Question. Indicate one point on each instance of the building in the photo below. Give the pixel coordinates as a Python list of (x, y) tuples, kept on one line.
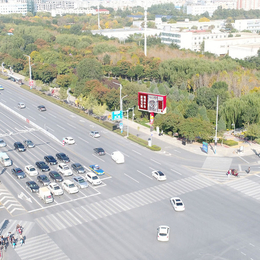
[(248, 4), (190, 39), (246, 45), (17, 6), (252, 25), (63, 11)]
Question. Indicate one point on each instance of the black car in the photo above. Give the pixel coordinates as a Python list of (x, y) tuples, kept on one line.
[(63, 157), (29, 144), (50, 159), (32, 186), (18, 172), (43, 179), (55, 176), (42, 166), (42, 108), (99, 151), (78, 168), (19, 147)]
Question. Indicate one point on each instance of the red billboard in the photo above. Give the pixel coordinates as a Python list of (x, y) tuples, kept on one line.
[(152, 102)]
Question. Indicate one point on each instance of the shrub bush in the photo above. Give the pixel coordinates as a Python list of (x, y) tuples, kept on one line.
[(230, 142)]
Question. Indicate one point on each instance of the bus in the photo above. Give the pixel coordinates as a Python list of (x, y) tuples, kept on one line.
[(15, 79)]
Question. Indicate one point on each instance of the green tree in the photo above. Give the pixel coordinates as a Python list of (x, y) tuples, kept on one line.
[(88, 69), (99, 109), (106, 59), (253, 131), (192, 110)]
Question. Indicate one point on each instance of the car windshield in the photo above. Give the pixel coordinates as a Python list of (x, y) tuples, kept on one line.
[(81, 181), (34, 185), (44, 178), (160, 173), (66, 168), (1, 141), (179, 204), (29, 142), (97, 167), (19, 170), (78, 166), (71, 185), (32, 169), (56, 175), (56, 187), (162, 234), (94, 177)]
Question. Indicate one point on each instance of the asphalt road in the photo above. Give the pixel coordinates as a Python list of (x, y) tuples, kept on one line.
[(118, 220)]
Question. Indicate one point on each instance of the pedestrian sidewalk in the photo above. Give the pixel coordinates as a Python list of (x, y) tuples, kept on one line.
[(166, 142)]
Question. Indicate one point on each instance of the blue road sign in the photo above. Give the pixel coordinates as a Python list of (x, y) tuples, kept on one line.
[(117, 115)]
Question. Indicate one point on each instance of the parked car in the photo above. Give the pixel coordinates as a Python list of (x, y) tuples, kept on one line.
[(99, 151), (70, 187), (41, 108), (62, 157), (94, 134), (55, 189), (80, 182), (42, 166), (78, 168), (49, 159), (32, 186), (55, 176), (93, 179), (19, 147), (18, 172), (29, 144), (43, 179), (31, 170), (96, 169)]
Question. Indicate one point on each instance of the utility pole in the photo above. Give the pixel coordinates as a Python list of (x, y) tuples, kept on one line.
[(216, 135), (145, 26), (98, 18)]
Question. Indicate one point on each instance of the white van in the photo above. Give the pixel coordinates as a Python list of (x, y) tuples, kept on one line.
[(45, 195), (118, 157), (5, 159)]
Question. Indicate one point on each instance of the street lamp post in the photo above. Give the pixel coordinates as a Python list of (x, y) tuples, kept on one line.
[(127, 134), (234, 127), (30, 68)]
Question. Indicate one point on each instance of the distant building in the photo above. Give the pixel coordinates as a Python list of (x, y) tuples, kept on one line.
[(252, 25), (248, 4), (63, 11), (17, 6), (102, 11)]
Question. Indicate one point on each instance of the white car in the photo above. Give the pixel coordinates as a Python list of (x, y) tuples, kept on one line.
[(64, 169), (70, 187), (21, 105), (55, 189), (160, 176), (69, 140), (31, 170), (163, 233), (93, 179), (94, 134), (118, 157), (2, 143), (177, 204)]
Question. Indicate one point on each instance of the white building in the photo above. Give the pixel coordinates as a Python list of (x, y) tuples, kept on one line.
[(15, 6), (189, 40), (61, 11), (241, 47), (252, 25)]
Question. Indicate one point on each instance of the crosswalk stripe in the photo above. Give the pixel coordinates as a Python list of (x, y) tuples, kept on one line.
[(89, 213), (73, 218)]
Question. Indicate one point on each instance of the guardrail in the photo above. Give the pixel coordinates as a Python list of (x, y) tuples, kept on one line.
[(31, 123)]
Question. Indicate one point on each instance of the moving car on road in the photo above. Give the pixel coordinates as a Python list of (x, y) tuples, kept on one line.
[(55, 176), (18, 172), (78, 168), (93, 178), (99, 151), (80, 182), (42, 166), (31, 170), (41, 108), (96, 169), (43, 179), (160, 176), (55, 189), (1, 87), (163, 233), (19, 147), (2, 143), (70, 187), (69, 140), (64, 169), (177, 204), (21, 105), (29, 144), (50, 160), (62, 157), (32, 186), (118, 157), (94, 134)]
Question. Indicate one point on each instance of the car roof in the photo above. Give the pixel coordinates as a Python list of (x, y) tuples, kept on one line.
[(175, 198), (63, 164), (78, 177), (77, 164), (68, 181), (31, 182)]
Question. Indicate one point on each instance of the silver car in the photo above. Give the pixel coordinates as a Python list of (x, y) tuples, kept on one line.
[(21, 105), (2, 143), (29, 144), (80, 182)]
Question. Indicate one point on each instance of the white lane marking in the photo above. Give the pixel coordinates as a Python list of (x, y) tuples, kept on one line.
[(47, 128), (32, 117), (177, 151), (98, 157), (145, 175), (155, 161), (243, 253), (42, 116), (152, 169), (257, 175), (12, 99), (136, 152), (71, 125), (83, 140), (52, 115), (176, 172), (131, 178), (61, 127), (239, 168), (3, 100), (82, 121), (243, 159), (251, 244)]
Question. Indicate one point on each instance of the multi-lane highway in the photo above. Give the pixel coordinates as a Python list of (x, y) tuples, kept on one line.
[(119, 219)]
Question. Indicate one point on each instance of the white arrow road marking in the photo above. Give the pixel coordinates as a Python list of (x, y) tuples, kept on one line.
[(22, 195)]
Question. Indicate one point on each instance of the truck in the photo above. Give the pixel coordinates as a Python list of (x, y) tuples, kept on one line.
[(5, 159), (45, 195)]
